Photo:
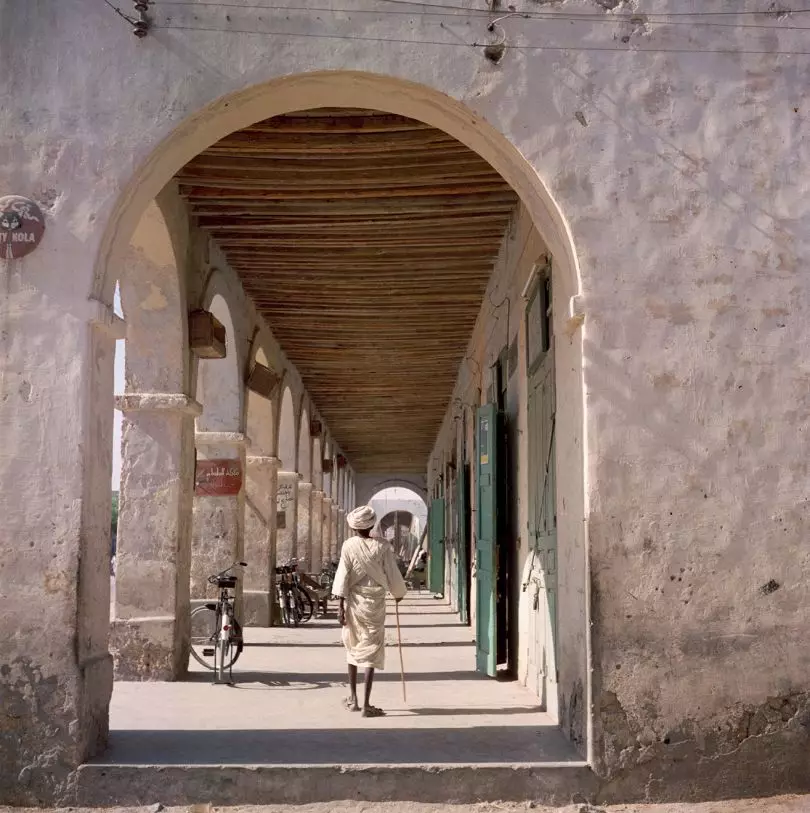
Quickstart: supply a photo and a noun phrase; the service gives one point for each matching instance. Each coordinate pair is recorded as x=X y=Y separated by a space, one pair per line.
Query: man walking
x=366 y=571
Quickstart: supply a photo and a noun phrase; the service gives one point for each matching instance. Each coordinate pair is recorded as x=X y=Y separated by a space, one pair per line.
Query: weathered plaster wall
x=682 y=178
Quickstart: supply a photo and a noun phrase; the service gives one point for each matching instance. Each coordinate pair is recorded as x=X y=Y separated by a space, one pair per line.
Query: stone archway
x=88 y=689
x=218 y=518
x=261 y=480
x=304 y=509
x=287 y=493
x=150 y=633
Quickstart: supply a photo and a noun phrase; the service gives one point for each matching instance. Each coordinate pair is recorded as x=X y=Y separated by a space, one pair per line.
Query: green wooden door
x=462 y=565
x=436 y=550
x=486 y=569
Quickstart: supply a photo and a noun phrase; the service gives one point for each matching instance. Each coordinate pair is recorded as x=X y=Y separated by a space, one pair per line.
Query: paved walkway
x=286 y=707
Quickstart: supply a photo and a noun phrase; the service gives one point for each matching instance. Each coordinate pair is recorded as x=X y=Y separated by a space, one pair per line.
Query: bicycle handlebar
x=212 y=579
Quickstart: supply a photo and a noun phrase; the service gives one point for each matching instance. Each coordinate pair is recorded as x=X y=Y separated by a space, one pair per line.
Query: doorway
x=542 y=577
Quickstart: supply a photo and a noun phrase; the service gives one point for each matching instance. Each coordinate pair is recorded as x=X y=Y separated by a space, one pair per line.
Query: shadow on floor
x=472 y=710
x=320 y=680
x=360 y=745
x=297 y=645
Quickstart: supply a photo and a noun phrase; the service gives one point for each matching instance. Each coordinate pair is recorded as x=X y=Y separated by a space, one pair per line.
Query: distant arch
x=304 y=447
x=219 y=384
x=286 y=432
x=260 y=421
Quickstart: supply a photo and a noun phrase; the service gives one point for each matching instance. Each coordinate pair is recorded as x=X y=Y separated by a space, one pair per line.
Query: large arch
x=260 y=415
x=423 y=103
x=287 y=435
x=218 y=521
x=261 y=482
x=386 y=94
x=153 y=547
x=287 y=491
x=304 y=466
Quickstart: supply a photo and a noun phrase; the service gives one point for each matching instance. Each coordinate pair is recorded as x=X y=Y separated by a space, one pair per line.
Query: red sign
x=22 y=225
x=218 y=478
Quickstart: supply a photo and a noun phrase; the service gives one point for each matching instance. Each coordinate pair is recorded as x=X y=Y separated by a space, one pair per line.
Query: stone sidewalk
x=286 y=706
x=282 y=734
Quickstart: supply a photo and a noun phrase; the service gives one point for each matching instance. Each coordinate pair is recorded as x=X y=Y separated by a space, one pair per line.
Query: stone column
x=341 y=525
x=260 y=540
x=56 y=365
x=334 y=540
x=218 y=525
x=286 y=516
x=326 y=529
x=304 y=526
x=150 y=632
x=316 y=530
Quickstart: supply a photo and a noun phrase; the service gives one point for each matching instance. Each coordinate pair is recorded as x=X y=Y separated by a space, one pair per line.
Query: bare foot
x=351 y=704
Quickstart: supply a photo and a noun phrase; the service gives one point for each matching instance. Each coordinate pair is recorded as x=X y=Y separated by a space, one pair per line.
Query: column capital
x=289 y=475
x=263 y=461
x=327 y=500
x=303 y=484
x=221 y=439
x=316 y=492
x=157 y=402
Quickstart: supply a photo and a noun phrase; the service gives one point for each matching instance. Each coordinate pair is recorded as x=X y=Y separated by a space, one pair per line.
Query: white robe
x=367 y=569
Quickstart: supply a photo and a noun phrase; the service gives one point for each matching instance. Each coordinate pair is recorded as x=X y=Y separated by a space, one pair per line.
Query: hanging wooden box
x=206 y=335
x=341 y=461
x=327 y=467
x=262 y=380
x=315 y=429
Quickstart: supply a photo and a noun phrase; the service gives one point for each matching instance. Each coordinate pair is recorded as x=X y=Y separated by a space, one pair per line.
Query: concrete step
x=105 y=785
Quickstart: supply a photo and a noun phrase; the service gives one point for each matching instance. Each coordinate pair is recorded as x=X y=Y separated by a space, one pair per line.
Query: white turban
x=362 y=518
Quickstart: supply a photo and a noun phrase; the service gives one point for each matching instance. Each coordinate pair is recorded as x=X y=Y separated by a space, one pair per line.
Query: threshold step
x=107 y=785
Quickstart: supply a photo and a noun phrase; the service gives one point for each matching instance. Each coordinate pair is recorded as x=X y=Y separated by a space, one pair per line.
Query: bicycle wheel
x=204 y=631
x=304 y=602
x=282 y=607
x=204 y=634
x=237 y=642
x=221 y=656
x=292 y=609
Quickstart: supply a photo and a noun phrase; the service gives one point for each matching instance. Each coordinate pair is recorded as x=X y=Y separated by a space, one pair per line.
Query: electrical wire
x=120 y=13
x=446 y=10
x=518 y=47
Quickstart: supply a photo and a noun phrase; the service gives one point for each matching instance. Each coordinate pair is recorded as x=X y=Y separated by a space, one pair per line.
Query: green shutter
x=486 y=565
x=436 y=551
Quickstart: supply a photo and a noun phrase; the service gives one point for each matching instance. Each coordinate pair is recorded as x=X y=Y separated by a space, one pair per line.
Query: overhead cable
x=447 y=10
x=518 y=47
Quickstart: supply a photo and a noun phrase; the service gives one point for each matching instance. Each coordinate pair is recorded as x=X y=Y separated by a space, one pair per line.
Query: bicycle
x=216 y=635
x=294 y=600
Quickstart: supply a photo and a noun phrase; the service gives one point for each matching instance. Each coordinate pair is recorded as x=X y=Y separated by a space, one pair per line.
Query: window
x=539 y=320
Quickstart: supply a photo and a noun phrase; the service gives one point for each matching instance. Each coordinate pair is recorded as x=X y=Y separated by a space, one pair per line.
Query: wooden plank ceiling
x=366 y=240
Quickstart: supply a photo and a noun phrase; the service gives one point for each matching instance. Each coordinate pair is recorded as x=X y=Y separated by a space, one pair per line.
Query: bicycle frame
x=224 y=625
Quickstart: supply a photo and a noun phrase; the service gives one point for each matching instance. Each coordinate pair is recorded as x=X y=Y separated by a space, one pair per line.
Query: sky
x=119 y=389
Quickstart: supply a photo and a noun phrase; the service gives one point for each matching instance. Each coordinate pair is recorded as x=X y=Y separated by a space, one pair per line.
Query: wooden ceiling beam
x=364 y=226
x=366 y=240
x=198 y=193
x=451 y=207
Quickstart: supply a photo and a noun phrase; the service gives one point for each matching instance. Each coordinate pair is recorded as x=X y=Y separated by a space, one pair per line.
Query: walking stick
x=401 y=661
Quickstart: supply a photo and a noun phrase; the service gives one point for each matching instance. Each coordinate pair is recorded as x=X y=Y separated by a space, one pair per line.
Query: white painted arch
x=332 y=89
